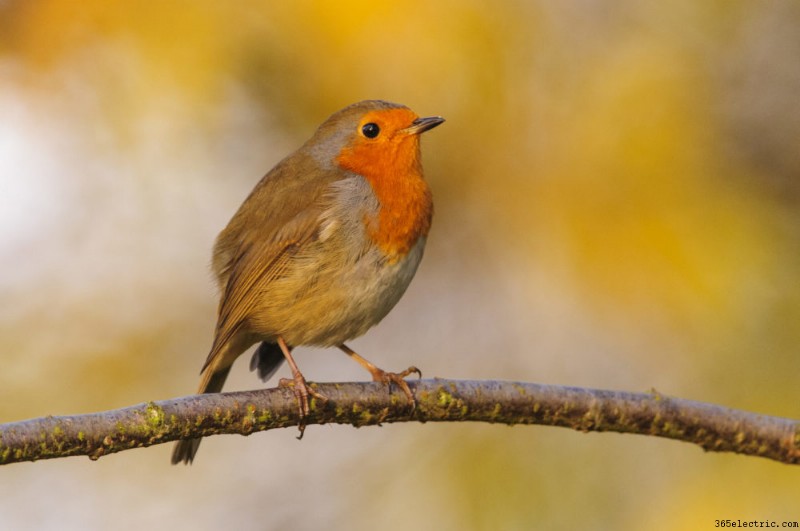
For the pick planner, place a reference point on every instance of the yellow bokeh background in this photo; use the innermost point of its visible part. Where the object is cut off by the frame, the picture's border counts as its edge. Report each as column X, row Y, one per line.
column 617, row 192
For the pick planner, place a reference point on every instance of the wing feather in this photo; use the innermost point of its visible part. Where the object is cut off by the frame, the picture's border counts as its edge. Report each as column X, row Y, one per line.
column 261, row 240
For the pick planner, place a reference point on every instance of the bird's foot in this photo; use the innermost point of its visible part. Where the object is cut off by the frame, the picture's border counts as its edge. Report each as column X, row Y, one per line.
column 302, row 391
column 379, row 375
column 397, row 378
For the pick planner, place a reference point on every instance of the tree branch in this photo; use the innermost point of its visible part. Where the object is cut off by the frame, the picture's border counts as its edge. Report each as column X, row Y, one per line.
column 714, row 428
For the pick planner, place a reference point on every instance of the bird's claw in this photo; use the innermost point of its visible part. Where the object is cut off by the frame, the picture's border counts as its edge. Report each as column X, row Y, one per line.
column 302, row 391
column 398, row 378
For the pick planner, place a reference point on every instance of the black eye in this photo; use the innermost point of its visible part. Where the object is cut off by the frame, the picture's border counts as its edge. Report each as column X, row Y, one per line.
column 371, row 130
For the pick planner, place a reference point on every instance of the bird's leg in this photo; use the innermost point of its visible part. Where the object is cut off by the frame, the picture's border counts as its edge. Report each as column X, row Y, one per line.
column 379, row 375
column 298, row 384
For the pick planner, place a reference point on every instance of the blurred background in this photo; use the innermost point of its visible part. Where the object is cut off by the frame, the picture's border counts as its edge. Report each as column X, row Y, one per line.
column 617, row 194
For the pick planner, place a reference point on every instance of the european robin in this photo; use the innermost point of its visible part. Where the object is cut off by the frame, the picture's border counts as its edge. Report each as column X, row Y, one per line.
column 322, row 248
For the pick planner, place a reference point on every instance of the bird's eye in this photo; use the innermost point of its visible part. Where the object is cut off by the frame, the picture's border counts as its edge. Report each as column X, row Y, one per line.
column 371, row 130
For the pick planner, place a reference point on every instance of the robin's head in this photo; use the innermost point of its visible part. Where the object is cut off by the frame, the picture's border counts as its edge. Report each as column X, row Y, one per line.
column 373, row 138
column 380, row 141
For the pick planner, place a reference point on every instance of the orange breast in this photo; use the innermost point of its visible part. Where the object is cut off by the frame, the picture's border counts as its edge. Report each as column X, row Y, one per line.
column 406, row 207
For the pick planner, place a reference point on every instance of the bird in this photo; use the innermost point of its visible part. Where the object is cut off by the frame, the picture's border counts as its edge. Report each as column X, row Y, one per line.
column 322, row 249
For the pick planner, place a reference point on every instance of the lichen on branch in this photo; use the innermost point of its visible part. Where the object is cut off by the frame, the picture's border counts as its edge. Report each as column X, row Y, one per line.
column 714, row 428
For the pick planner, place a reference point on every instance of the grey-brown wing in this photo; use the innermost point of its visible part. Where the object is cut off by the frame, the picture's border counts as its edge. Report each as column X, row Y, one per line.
column 277, row 220
column 270, row 213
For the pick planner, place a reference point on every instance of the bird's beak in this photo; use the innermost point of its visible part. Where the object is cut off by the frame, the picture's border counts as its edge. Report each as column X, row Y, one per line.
column 420, row 125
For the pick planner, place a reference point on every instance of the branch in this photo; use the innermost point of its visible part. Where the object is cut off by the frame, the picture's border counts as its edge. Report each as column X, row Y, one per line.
column 714, row 428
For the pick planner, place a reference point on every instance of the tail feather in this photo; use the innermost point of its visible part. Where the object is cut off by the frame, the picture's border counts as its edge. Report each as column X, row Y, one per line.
column 267, row 359
column 212, row 382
